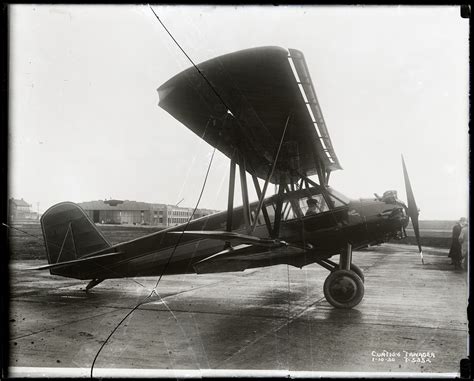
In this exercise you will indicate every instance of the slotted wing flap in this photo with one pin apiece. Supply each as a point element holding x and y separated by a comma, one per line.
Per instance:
<point>325,148</point>
<point>243,104</point>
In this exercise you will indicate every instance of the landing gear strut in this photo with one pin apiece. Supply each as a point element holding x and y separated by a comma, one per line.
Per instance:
<point>93,283</point>
<point>344,287</point>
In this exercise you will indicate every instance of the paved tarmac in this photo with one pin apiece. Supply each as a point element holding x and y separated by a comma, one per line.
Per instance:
<point>412,319</point>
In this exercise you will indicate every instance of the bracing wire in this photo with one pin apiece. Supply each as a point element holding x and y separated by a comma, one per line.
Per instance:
<point>115,329</point>
<point>190,60</point>
<point>54,244</point>
<point>185,227</point>
<point>161,275</point>
<point>22,231</point>
<point>189,220</point>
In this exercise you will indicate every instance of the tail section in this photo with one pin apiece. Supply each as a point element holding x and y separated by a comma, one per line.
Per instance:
<point>69,234</point>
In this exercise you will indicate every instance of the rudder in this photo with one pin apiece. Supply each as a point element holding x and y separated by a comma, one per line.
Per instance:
<point>69,234</point>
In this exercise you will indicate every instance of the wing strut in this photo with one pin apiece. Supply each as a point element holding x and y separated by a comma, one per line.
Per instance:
<point>264,210</point>
<point>300,186</point>
<point>230,200</point>
<point>320,170</point>
<point>324,192</point>
<point>308,182</point>
<point>279,205</point>
<point>245,195</point>
<point>262,197</point>
<point>323,180</point>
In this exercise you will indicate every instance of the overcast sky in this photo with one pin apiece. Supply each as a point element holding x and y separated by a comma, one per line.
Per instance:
<point>85,124</point>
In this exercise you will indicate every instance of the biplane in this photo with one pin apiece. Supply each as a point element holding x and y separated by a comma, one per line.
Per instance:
<point>257,106</point>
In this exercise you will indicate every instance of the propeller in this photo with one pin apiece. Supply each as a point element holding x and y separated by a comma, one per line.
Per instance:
<point>413,211</point>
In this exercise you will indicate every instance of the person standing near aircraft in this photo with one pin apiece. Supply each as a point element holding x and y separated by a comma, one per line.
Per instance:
<point>455,250</point>
<point>464,242</point>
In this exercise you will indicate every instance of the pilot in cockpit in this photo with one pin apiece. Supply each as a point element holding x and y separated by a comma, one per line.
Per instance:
<point>312,207</point>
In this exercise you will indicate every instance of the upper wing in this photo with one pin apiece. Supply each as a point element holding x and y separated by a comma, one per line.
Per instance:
<point>242,102</point>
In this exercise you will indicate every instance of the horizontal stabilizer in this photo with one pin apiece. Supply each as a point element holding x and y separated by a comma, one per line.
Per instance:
<point>234,238</point>
<point>76,261</point>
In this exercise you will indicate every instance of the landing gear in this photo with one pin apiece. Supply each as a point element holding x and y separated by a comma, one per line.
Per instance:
<point>358,271</point>
<point>343,289</point>
<point>93,283</point>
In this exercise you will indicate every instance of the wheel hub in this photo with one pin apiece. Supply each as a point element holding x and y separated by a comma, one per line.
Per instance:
<point>343,289</point>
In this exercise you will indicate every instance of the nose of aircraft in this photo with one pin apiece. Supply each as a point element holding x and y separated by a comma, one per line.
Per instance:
<point>395,213</point>
<point>398,213</point>
<point>391,210</point>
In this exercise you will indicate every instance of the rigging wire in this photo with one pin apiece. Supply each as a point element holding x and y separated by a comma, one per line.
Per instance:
<point>189,220</point>
<point>185,227</point>
<point>190,60</point>
<point>117,327</point>
<point>24,232</point>
<point>69,251</point>
<point>161,275</point>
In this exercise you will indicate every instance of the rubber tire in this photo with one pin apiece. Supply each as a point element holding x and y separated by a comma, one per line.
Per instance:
<point>358,271</point>
<point>356,281</point>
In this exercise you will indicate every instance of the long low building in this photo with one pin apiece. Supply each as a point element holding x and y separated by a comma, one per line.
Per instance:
<point>140,213</point>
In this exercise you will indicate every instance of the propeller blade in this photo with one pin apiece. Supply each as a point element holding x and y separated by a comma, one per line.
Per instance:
<point>412,208</point>
<point>416,229</point>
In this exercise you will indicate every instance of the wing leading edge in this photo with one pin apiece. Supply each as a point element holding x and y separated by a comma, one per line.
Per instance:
<point>242,105</point>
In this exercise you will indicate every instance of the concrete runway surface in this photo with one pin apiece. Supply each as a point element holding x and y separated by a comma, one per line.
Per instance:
<point>412,319</point>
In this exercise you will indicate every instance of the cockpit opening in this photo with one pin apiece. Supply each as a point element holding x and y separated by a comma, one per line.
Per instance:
<point>306,202</point>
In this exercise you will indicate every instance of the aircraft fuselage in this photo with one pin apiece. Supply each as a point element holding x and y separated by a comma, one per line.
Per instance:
<point>358,222</point>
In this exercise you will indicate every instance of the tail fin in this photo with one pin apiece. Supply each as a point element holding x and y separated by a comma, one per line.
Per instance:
<point>69,234</point>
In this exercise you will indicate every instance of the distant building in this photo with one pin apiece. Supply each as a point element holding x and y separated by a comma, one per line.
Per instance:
<point>20,211</point>
<point>140,213</point>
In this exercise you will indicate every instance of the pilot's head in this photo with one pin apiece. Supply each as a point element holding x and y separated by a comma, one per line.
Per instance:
<point>312,203</point>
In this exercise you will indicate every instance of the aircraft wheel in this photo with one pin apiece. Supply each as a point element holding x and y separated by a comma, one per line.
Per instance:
<point>358,271</point>
<point>343,289</point>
